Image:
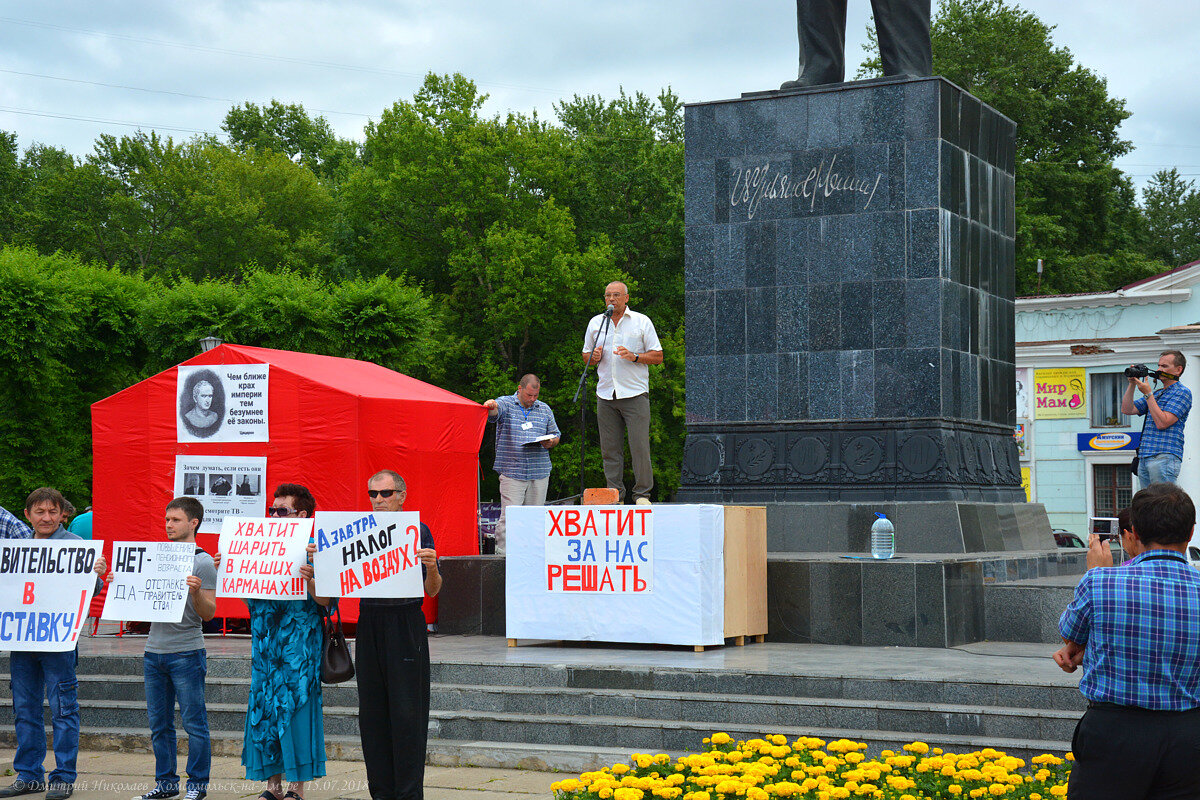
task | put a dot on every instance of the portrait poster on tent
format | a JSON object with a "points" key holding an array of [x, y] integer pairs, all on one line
{"points": [[1024, 382], [149, 581], [222, 403], [368, 554], [261, 558], [45, 589], [227, 486]]}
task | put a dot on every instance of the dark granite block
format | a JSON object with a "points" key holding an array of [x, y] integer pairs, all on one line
{"points": [[758, 126], [832, 243], [863, 259], [950, 109], [884, 119], [699, 196], [729, 257], [857, 325], [888, 604], [920, 370], [760, 320], [700, 311], [791, 130], [888, 317], [872, 168], [836, 603], [889, 379], [857, 371], [968, 131], [923, 312], [762, 388], [493, 582], [964, 603], [824, 316], [788, 614], [731, 405], [793, 249], [924, 243], [723, 173], [731, 317], [824, 126], [953, 179], [698, 261], [791, 319], [890, 253], [700, 380], [792, 370], [922, 103], [728, 124], [822, 403], [921, 164]]}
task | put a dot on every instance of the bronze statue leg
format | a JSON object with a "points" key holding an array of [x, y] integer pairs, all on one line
{"points": [[903, 27], [821, 29]]}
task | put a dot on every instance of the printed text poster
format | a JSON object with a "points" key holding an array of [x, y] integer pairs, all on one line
{"points": [[261, 558], [149, 581], [45, 589], [368, 554], [227, 486], [598, 549]]}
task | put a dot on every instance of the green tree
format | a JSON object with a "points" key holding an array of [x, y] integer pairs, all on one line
{"points": [[1172, 209], [11, 185], [1075, 209], [289, 130]]}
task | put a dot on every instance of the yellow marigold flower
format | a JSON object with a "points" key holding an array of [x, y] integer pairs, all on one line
{"points": [[755, 793], [937, 751], [954, 789], [700, 796], [917, 747], [978, 792], [628, 793], [1058, 791], [721, 738], [1035, 796], [989, 752], [997, 789], [605, 793], [854, 758], [777, 739], [620, 769]]}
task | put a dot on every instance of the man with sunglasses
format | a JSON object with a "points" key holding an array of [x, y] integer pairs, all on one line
{"points": [[391, 664]]}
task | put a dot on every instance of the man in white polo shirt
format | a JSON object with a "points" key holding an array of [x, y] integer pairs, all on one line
{"points": [[622, 352]]}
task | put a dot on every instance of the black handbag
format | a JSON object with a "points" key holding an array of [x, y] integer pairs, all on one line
{"points": [[336, 664]]}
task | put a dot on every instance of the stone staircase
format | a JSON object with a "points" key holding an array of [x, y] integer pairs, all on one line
{"points": [[575, 712]]}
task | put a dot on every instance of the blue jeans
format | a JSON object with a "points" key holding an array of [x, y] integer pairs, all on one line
{"points": [[171, 676], [51, 675], [1158, 468]]}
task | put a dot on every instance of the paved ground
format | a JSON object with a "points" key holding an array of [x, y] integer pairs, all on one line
{"points": [[121, 776]]}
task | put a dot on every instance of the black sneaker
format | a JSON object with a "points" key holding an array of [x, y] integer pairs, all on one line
{"points": [[59, 791], [158, 794], [20, 787], [196, 794]]}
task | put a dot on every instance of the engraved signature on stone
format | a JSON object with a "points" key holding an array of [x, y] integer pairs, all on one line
{"points": [[752, 187]]}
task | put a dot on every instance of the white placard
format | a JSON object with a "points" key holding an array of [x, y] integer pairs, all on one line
{"points": [[368, 554], [226, 486], [222, 403], [1024, 386], [149, 581], [687, 606], [606, 550], [45, 589], [261, 558]]}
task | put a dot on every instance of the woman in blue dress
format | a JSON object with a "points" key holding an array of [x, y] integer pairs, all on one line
{"points": [[285, 735]]}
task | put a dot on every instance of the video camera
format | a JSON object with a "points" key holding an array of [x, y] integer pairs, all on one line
{"points": [[1142, 371]]}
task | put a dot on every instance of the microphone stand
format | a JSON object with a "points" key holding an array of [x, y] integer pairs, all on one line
{"points": [[601, 336]]}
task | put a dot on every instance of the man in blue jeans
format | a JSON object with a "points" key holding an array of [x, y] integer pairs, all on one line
{"points": [[1160, 452], [51, 675], [176, 664]]}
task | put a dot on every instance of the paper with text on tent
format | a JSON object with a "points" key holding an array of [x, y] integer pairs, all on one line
{"points": [[149, 581], [261, 558], [600, 549], [368, 554], [45, 590]]}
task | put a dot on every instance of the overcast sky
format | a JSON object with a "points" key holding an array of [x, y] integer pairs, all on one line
{"points": [[178, 66]]}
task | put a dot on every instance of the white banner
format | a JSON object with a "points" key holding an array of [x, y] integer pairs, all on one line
{"points": [[226, 486], [222, 403], [371, 554], [45, 589], [149, 581], [607, 550], [261, 558]]}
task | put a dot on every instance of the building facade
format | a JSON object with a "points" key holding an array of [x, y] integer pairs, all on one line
{"points": [[1072, 350]]}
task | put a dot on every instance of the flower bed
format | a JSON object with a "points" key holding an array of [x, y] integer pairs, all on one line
{"points": [[759, 769]]}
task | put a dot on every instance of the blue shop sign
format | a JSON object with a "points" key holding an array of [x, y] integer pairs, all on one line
{"points": [[1111, 440]]}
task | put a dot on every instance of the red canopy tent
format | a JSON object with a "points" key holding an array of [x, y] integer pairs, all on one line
{"points": [[333, 422]]}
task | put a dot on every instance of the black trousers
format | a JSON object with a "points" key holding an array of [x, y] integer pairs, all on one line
{"points": [[902, 25], [392, 667], [1129, 753]]}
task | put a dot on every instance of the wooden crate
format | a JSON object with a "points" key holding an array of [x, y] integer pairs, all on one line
{"points": [[745, 573]]}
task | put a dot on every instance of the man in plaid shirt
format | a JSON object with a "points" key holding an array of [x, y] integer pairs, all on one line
{"points": [[1136, 631], [11, 527], [1160, 452]]}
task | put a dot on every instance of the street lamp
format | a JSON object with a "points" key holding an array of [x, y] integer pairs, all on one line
{"points": [[208, 343]]}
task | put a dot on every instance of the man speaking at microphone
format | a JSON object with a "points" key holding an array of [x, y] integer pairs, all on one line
{"points": [[622, 343]]}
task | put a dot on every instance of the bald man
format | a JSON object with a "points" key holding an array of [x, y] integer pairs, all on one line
{"points": [[622, 353]]}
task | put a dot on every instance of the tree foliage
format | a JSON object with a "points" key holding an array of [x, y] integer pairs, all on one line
{"points": [[1172, 208]]}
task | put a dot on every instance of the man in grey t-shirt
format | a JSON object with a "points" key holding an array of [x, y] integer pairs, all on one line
{"points": [[175, 667]]}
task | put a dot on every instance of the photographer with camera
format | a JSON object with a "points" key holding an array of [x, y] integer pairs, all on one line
{"points": [[1135, 629], [1160, 451]]}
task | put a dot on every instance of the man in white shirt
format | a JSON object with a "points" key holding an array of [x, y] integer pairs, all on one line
{"points": [[622, 351]]}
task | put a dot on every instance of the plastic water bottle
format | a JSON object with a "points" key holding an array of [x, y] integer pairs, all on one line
{"points": [[883, 537]]}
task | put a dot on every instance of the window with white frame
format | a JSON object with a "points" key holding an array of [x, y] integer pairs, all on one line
{"points": [[1113, 488], [1106, 391]]}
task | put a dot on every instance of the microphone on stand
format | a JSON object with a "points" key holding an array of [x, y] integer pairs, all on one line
{"points": [[608, 312]]}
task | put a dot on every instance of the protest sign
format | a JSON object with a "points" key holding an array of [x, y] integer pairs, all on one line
{"points": [[599, 549], [222, 403], [45, 589], [368, 554], [261, 558], [149, 581], [227, 486]]}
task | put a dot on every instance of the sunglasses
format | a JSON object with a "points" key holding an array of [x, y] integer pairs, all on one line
{"points": [[373, 493], [280, 511]]}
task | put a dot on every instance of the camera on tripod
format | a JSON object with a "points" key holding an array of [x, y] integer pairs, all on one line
{"points": [[1142, 371]]}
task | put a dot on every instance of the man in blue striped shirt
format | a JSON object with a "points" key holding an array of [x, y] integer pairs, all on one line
{"points": [[525, 432], [1136, 631]]}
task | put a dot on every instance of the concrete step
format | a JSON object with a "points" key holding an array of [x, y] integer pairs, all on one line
{"points": [[1027, 610]]}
